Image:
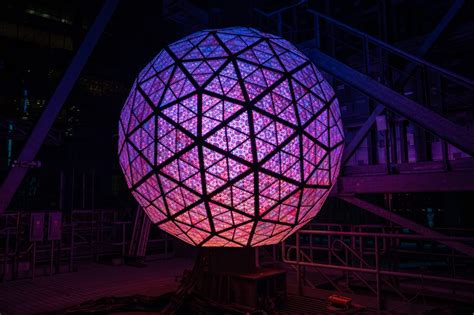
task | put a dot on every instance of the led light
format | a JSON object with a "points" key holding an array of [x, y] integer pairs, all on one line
{"points": [[230, 137]]}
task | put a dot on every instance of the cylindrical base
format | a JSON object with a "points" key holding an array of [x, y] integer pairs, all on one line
{"points": [[229, 259]]}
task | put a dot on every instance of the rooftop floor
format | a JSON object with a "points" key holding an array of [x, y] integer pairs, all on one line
{"points": [[92, 281]]}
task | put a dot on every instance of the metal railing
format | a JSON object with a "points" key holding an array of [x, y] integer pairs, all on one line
{"points": [[86, 235], [440, 90], [277, 15], [368, 40], [365, 257], [369, 54]]}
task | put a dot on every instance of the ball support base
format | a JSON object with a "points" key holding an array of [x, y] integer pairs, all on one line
{"points": [[229, 278]]}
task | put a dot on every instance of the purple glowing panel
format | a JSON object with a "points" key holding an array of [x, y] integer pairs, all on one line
{"points": [[230, 137]]}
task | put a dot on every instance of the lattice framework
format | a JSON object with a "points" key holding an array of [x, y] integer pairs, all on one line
{"points": [[230, 138]]}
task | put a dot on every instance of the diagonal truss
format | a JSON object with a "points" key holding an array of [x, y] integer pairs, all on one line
{"points": [[44, 124], [402, 79], [418, 228]]}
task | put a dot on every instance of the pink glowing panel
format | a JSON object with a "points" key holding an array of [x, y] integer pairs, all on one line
{"points": [[230, 137]]}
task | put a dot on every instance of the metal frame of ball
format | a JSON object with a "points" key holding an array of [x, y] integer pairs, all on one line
{"points": [[200, 141]]}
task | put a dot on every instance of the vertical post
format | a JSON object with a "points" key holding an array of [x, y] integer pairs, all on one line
{"points": [[377, 274], [124, 247], [444, 144], [403, 141], [61, 190], [71, 249], [93, 190], [257, 258], [33, 263], [393, 142], [453, 263], [372, 141], [298, 269], [280, 24], [9, 143], [387, 150], [445, 154], [17, 245], [51, 261], [294, 31], [5, 259], [93, 246], [283, 254], [426, 97], [329, 250], [83, 190], [317, 37], [425, 86], [366, 56], [73, 179]]}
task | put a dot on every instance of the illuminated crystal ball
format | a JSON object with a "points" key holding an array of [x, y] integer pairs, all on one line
{"points": [[230, 137]]}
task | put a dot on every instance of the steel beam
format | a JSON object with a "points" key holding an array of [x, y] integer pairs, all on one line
{"points": [[404, 183], [402, 80], [350, 149], [418, 228], [431, 121], [430, 40], [41, 129]]}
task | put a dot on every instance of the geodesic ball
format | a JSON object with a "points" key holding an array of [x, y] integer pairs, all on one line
{"points": [[230, 137]]}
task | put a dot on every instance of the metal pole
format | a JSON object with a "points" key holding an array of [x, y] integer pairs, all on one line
{"points": [[61, 190], [71, 249], [124, 243], [402, 127], [17, 245], [377, 274], [387, 149], [33, 267], [280, 25], [366, 56], [93, 190], [41, 129], [73, 179], [257, 258], [5, 259], [51, 262], [83, 190], [317, 37], [294, 32], [444, 144], [298, 269]]}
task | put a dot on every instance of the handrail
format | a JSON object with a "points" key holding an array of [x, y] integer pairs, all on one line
{"points": [[363, 261], [270, 14], [387, 235], [285, 258], [308, 259], [454, 76]]}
